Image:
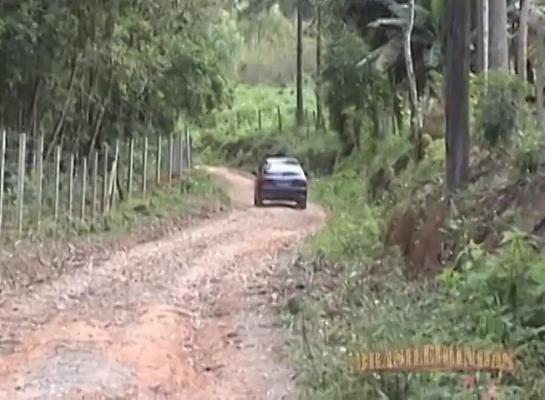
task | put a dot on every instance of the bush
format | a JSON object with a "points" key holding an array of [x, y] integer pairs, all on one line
{"points": [[490, 303], [360, 300], [497, 108]]}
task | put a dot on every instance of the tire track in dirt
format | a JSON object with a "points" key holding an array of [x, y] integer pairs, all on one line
{"points": [[178, 318]]}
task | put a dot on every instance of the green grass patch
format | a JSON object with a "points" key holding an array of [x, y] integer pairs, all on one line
{"points": [[274, 106], [268, 97], [197, 194], [236, 139], [360, 300]]}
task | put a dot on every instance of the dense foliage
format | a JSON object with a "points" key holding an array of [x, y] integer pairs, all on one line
{"points": [[468, 275], [82, 72]]}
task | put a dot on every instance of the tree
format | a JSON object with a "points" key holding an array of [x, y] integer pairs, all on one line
{"points": [[522, 39], [110, 70], [483, 36], [319, 116], [499, 49], [349, 91], [406, 42], [457, 95], [416, 117], [299, 112], [536, 21]]}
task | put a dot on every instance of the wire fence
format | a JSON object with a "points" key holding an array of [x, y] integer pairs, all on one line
{"points": [[275, 118], [43, 185], [57, 187]]}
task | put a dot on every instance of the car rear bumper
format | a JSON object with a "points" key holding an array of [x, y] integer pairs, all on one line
{"points": [[295, 194]]}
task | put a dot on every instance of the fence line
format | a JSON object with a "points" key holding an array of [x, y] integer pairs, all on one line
{"points": [[2, 175], [38, 191], [275, 116]]}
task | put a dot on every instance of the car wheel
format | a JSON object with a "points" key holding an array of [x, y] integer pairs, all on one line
{"points": [[302, 204]]}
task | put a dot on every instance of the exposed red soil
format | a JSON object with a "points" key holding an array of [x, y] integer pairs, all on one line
{"points": [[188, 316]]}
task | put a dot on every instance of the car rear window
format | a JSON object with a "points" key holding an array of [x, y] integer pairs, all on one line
{"points": [[281, 169], [290, 161]]}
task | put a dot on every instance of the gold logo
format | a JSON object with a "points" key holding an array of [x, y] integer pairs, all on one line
{"points": [[435, 358]]}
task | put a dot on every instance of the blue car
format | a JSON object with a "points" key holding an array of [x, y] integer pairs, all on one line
{"points": [[281, 179]]}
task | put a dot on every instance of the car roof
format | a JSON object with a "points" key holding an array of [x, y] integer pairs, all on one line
{"points": [[286, 160], [280, 167]]}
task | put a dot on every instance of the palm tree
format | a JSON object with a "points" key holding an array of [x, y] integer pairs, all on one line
{"points": [[384, 28]]}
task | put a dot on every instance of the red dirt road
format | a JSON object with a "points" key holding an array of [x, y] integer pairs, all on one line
{"points": [[186, 317]]}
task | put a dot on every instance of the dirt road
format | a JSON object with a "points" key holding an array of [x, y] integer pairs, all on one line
{"points": [[186, 317]]}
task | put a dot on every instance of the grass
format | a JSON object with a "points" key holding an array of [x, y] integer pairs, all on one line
{"points": [[268, 97], [360, 300], [198, 193], [242, 117], [195, 195], [237, 141]]}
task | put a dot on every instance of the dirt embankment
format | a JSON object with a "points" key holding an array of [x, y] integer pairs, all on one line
{"points": [[187, 316]]}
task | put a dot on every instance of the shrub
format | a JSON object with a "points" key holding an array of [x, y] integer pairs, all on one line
{"points": [[497, 107]]}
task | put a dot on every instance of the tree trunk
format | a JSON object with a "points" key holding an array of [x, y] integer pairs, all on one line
{"points": [[536, 21], [479, 45], [486, 38], [483, 36], [540, 76], [299, 113], [416, 118], [318, 66], [457, 95], [530, 73], [522, 39], [499, 48], [540, 81], [59, 125]]}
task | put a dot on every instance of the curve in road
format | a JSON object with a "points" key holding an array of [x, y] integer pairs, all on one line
{"points": [[185, 317]]}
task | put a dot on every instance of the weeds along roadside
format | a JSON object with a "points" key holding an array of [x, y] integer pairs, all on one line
{"points": [[196, 192], [357, 293], [358, 297], [60, 248]]}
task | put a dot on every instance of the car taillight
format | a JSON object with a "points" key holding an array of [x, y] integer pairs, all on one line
{"points": [[299, 183]]}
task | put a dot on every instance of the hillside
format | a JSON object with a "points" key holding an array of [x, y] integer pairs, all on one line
{"points": [[127, 132]]}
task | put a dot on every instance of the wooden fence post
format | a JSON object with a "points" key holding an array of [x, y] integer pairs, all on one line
{"points": [[40, 161], [113, 176], [279, 115], [58, 153], [32, 149], [188, 149], [145, 166], [307, 123], [94, 189], [182, 155], [170, 157], [130, 168], [83, 188], [71, 187], [105, 180], [158, 160], [2, 170], [21, 182]]}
